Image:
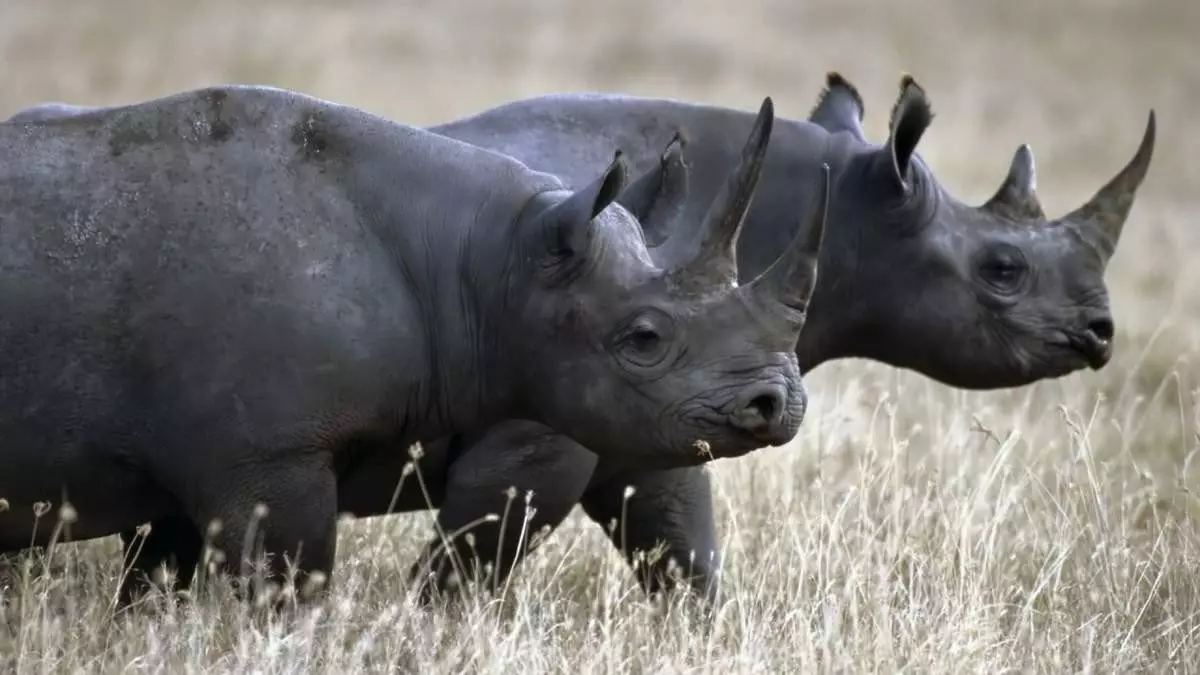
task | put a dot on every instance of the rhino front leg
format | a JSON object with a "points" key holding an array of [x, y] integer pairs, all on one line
{"points": [[173, 542], [285, 508], [669, 510], [486, 497]]}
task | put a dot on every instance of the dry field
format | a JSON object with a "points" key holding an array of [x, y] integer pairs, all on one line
{"points": [[910, 527]]}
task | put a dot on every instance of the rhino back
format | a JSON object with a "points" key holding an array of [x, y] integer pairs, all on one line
{"points": [[575, 135], [222, 261]]}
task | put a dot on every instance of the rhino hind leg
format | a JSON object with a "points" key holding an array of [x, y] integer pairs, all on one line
{"points": [[173, 542], [486, 498], [663, 529]]}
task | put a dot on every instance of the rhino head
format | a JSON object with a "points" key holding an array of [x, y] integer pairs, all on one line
{"points": [[686, 354], [976, 296]]}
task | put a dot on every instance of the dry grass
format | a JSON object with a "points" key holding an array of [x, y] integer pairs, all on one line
{"points": [[910, 527]]}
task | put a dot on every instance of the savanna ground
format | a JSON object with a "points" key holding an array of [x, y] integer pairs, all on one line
{"points": [[910, 527]]}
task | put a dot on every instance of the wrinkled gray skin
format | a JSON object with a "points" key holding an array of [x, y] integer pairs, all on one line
{"points": [[980, 297], [229, 296]]}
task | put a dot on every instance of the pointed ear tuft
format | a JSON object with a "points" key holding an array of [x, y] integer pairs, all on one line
{"points": [[611, 184], [839, 107], [835, 80], [569, 222], [658, 196], [910, 117]]}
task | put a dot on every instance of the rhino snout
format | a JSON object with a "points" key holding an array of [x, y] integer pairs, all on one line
{"points": [[764, 412], [1095, 341]]}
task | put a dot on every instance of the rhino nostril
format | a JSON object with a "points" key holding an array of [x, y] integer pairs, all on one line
{"points": [[1102, 328], [761, 411], [766, 405]]}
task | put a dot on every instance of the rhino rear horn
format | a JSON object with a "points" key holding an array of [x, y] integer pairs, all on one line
{"points": [[1017, 196], [657, 197], [839, 107], [1103, 216], [569, 223], [911, 116], [792, 278], [708, 257]]}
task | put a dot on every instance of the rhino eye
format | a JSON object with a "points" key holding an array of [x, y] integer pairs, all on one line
{"points": [[644, 339], [642, 343], [1003, 269]]}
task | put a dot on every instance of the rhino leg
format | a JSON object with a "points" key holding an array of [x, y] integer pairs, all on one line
{"points": [[297, 528], [668, 508], [173, 541], [493, 475]]}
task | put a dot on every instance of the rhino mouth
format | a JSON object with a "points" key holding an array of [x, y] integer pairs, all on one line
{"points": [[1095, 351]]}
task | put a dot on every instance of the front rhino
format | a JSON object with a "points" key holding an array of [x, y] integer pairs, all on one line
{"points": [[48, 111], [219, 298], [704, 365], [708, 362]]}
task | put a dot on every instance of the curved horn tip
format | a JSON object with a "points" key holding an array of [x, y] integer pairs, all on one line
{"points": [[820, 217], [826, 188], [760, 133], [1140, 164], [767, 107], [1024, 165], [792, 277], [1146, 147]]}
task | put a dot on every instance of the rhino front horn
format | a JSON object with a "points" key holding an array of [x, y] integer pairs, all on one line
{"points": [[1103, 216], [1017, 196], [708, 257], [791, 279]]}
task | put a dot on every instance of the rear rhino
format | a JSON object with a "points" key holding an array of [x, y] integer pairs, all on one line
{"points": [[978, 297], [48, 111], [220, 298]]}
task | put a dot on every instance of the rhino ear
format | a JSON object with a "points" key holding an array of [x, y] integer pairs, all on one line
{"points": [[656, 197], [911, 116], [839, 107], [569, 223]]}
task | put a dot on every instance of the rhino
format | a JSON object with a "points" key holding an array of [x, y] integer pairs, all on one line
{"points": [[214, 302], [50, 110], [976, 297]]}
